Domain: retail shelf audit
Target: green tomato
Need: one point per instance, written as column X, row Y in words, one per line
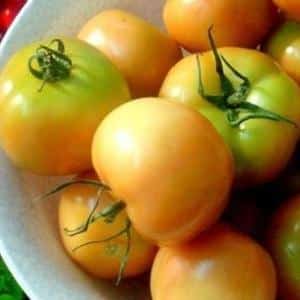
column 284, row 46
column 256, row 110
column 284, row 244
column 52, row 98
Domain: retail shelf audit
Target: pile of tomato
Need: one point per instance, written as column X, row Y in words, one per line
column 186, row 165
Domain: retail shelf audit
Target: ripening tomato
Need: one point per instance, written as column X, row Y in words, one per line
column 168, row 164
column 290, row 7
column 219, row 264
column 284, row 243
column 242, row 23
column 8, row 11
column 284, row 46
column 52, row 98
column 100, row 259
column 252, row 109
column 141, row 51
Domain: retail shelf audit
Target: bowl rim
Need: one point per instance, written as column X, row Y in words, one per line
column 6, row 256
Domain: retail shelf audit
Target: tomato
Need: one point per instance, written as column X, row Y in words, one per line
column 100, row 259
column 47, row 126
column 169, row 166
column 284, row 46
column 219, row 264
column 290, row 7
column 252, row 110
column 142, row 52
column 284, row 243
column 241, row 23
column 8, row 11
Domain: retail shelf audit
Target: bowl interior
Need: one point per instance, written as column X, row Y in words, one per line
column 29, row 241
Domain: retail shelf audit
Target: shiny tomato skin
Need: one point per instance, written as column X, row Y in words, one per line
column 8, row 11
column 241, row 23
column 99, row 260
column 284, row 243
column 284, row 46
column 168, row 164
column 141, row 51
column 290, row 7
column 261, row 148
column 49, row 132
column 219, row 264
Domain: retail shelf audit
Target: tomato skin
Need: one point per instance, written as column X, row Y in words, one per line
column 75, row 206
column 284, row 46
column 142, row 53
column 290, row 7
column 8, row 11
column 236, row 22
column 284, row 243
column 50, row 132
column 167, row 164
column 261, row 148
column 219, row 264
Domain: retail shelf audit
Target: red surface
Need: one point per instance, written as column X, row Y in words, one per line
column 8, row 11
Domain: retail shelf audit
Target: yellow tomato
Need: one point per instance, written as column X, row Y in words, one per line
column 103, row 259
column 219, row 264
column 49, row 131
column 168, row 164
column 142, row 52
column 284, row 46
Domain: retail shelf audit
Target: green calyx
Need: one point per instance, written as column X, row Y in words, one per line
column 50, row 63
column 233, row 100
column 108, row 215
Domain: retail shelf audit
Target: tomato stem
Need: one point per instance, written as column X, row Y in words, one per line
column 108, row 214
column 66, row 184
column 125, row 258
column 233, row 101
column 50, row 64
column 125, row 231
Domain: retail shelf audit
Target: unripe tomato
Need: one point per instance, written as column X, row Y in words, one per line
column 242, row 23
column 262, row 145
column 47, row 126
column 141, row 51
column 219, row 264
column 168, row 164
column 100, row 259
column 284, row 46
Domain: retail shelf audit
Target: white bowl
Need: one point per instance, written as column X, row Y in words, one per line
column 29, row 241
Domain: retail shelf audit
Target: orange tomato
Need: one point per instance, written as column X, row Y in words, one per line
column 142, row 52
column 168, row 164
column 220, row 264
column 290, row 7
column 284, row 243
column 241, row 23
column 103, row 259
